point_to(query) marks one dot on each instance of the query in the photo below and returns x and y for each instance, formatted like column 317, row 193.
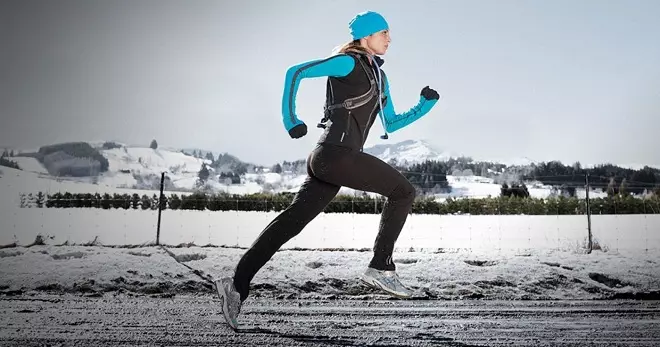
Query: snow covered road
column 119, row 319
column 105, row 296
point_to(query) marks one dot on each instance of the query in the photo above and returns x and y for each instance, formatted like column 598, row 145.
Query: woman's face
column 378, row 42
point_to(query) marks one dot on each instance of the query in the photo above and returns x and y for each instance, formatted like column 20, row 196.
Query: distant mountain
column 409, row 152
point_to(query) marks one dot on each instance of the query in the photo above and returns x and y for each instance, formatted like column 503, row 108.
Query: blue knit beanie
column 367, row 23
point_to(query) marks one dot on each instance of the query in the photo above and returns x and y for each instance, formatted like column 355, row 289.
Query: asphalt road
column 121, row 320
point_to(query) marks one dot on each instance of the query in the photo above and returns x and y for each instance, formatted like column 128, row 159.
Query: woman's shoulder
column 343, row 57
column 340, row 62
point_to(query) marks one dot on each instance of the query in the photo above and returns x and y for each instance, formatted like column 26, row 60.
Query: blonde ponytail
column 354, row 45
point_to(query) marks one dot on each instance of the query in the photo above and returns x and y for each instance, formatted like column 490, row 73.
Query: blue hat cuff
column 367, row 23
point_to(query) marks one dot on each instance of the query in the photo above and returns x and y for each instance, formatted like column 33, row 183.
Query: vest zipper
column 364, row 133
column 348, row 126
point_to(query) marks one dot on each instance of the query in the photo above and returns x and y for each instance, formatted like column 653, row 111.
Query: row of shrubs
column 345, row 203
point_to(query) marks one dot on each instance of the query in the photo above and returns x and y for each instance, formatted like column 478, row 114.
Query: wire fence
column 350, row 222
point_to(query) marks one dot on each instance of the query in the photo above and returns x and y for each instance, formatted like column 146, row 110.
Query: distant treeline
column 9, row 163
column 606, row 177
column 503, row 205
column 431, row 175
column 75, row 159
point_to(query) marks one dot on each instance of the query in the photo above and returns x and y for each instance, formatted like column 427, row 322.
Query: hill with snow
column 409, row 152
column 136, row 167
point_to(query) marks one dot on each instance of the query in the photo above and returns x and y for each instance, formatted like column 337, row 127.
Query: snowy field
column 313, row 274
column 239, row 228
column 446, row 257
column 333, row 230
column 95, row 260
column 441, row 256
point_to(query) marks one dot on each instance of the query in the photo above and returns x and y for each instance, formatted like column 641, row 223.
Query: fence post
column 160, row 207
column 589, row 215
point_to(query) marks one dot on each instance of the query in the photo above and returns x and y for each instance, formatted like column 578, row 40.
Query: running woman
column 357, row 94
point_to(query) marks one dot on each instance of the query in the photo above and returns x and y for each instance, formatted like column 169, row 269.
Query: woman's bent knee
column 404, row 191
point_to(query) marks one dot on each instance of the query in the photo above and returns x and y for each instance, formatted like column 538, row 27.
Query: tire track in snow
column 71, row 320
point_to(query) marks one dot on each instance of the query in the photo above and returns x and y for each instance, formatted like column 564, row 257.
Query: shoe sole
column 225, row 306
column 376, row 285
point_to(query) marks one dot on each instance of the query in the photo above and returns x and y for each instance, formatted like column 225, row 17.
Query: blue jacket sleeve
column 336, row 66
column 394, row 121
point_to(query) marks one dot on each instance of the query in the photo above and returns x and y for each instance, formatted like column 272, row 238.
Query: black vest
column 352, row 104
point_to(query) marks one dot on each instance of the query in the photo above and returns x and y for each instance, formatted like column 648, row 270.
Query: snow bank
column 326, row 275
column 95, row 269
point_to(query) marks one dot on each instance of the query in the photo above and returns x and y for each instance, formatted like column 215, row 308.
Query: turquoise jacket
column 339, row 66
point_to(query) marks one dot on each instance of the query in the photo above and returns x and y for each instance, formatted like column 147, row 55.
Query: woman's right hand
column 298, row 131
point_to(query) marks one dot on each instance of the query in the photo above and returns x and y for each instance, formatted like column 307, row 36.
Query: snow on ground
column 181, row 169
column 89, row 268
column 484, row 187
column 330, row 230
column 14, row 182
column 267, row 178
column 472, row 186
column 324, row 274
column 121, row 227
column 144, row 159
column 506, row 257
column 126, row 161
column 517, row 161
column 409, row 151
column 30, row 164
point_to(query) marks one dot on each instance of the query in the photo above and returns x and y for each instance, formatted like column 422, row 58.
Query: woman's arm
column 394, row 121
column 336, row 66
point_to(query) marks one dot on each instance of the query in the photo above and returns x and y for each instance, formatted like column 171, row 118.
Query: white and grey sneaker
column 387, row 281
column 230, row 299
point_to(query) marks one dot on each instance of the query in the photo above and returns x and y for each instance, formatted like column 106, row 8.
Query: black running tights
column 329, row 168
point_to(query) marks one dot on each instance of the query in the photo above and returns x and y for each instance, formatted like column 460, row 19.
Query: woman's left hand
column 430, row 94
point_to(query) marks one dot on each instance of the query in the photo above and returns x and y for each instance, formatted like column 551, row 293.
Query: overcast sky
column 564, row 80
